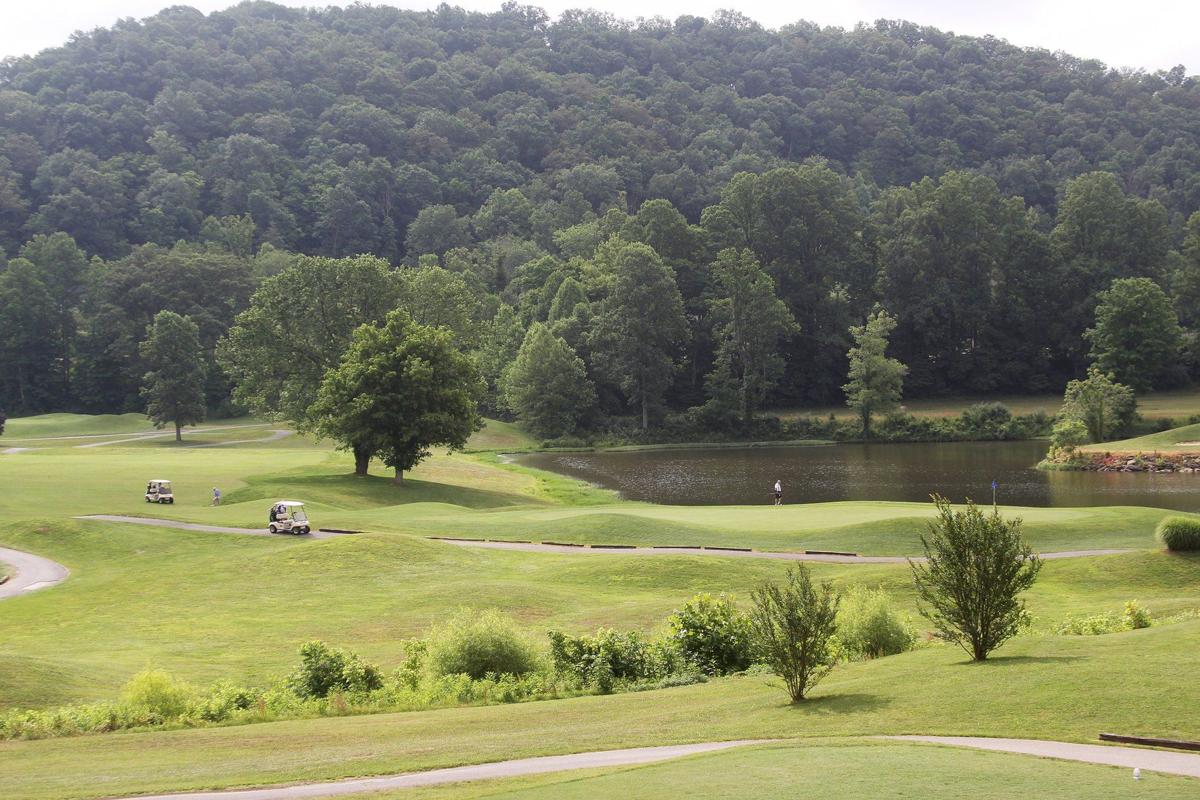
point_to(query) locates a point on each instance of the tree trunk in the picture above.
(178, 432)
(362, 460)
(399, 479)
(645, 413)
(866, 420)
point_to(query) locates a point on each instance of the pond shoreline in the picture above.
(1130, 462)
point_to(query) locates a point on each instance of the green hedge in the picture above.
(1180, 534)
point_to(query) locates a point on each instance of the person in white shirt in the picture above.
(778, 493)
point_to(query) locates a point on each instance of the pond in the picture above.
(746, 475)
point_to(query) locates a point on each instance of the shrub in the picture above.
(793, 626)
(868, 626)
(1136, 617)
(712, 634)
(477, 643)
(625, 656)
(985, 420)
(976, 567)
(157, 693)
(1180, 534)
(324, 670)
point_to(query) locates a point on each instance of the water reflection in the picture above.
(725, 476)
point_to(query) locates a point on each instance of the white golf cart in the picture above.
(159, 491)
(287, 516)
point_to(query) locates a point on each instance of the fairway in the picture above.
(219, 606)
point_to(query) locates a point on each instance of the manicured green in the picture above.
(1185, 439)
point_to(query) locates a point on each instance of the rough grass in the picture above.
(1050, 687)
(1177, 404)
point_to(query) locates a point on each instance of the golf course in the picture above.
(209, 604)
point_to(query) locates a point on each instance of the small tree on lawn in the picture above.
(174, 386)
(976, 566)
(1105, 407)
(400, 390)
(793, 625)
(874, 381)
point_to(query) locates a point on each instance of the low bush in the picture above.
(1134, 617)
(477, 643)
(157, 693)
(1180, 534)
(713, 634)
(324, 670)
(868, 626)
(610, 657)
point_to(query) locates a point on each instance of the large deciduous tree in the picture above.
(1136, 338)
(547, 386)
(969, 586)
(874, 381)
(750, 322)
(297, 328)
(641, 327)
(401, 389)
(173, 388)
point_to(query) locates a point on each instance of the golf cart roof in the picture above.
(159, 480)
(289, 503)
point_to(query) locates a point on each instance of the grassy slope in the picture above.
(1177, 404)
(1046, 687)
(209, 606)
(1176, 440)
(854, 770)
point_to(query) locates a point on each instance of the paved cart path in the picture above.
(1129, 757)
(831, 558)
(32, 573)
(498, 769)
(191, 526)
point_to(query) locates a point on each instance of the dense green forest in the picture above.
(673, 214)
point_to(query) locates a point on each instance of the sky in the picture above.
(1149, 34)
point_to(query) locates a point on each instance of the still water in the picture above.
(735, 476)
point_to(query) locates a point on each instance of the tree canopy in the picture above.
(401, 389)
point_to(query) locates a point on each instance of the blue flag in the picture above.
(993, 486)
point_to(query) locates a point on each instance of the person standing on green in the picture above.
(778, 493)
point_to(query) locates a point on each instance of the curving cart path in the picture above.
(498, 769)
(831, 558)
(32, 573)
(191, 526)
(1129, 757)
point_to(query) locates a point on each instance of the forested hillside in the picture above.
(981, 193)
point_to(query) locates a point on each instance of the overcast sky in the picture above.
(1149, 34)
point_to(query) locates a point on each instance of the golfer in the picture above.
(778, 493)
(216, 501)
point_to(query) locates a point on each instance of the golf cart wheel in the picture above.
(148, 500)
(171, 501)
(273, 529)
